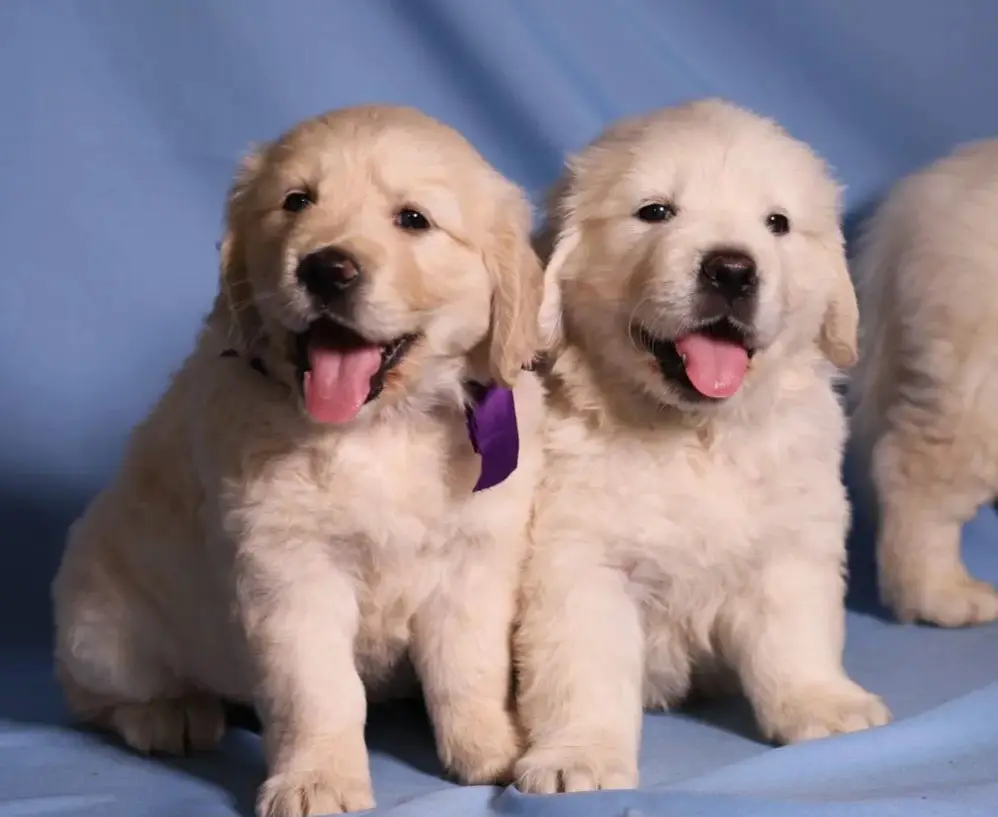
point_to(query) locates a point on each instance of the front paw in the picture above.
(943, 600)
(822, 712)
(480, 749)
(312, 793)
(556, 769)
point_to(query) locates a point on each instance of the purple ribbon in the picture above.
(491, 418)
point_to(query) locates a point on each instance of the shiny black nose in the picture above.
(731, 273)
(328, 274)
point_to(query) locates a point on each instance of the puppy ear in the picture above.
(557, 250)
(517, 282)
(556, 244)
(234, 313)
(839, 337)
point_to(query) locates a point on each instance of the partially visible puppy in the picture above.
(305, 513)
(926, 388)
(692, 519)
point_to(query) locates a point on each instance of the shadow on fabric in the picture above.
(862, 596)
(34, 519)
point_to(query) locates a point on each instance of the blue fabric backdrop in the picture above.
(120, 122)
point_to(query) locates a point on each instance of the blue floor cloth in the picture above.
(120, 125)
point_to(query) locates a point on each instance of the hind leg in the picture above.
(111, 660)
(176, 725)
(928, 487)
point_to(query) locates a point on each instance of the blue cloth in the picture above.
(120, 124)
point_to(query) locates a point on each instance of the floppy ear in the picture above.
(558, 252)
(517, 282)
(556, 244)
(840, 328)
(234, 312)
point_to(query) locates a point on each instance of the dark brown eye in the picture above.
(777, 224)
(656, 212)
(297, 201)
(409, 219)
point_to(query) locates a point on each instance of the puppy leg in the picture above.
(111, 680)
(111, 650)
(461, 651)
(785, 637)
(579, 653)
(926, 493)
(300, 616)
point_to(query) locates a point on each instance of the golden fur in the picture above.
(674, 538)
(926, 388)
(246, 552)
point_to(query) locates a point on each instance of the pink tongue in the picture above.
(715, 367)
(339, 382)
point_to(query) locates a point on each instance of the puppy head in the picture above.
(373, 258)
(687, 245)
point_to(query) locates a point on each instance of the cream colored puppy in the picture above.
(300, 519)
(926, 390)
(691, 519)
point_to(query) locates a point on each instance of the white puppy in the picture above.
(926, 389)
(692, 517)
(300, 517)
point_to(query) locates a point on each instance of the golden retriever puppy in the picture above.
(925, 390)
(305, 518)
(691, 519)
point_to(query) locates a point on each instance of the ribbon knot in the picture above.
(492, 429)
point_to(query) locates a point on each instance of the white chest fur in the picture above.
(688, 518)
(392, 508)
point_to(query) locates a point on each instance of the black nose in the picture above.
(329, 273)
(731, 272)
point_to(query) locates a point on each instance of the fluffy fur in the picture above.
(926, 388)
(246, 552)
(676, 538)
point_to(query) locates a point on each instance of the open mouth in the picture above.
(340, 371)
(710, 362)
